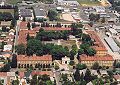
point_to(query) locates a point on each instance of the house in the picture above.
(106, 60)
(27, 61)
(65, 60)
(40, 13)
(103, 73)
(25, 13)
(113, 32)
(7, 47)
(99, 9)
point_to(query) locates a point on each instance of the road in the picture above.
(57, 77)
(16, 36)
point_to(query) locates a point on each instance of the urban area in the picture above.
(59, 42)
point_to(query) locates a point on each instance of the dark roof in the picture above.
(25, 13)
(39, 12)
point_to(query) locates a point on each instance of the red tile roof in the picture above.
(23, 35)
(96, 58)
(99, 46)
(23, 25)
(3, 74)
(34, 58)
(41, 73)
(21, 74)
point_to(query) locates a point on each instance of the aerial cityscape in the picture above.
(59, 42)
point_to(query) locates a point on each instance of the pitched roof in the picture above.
(3, 74)
(96, 58)
(99, 46)
(41, 73)
(23, 35)
(34, 58)
(25, 12)
(23, 25)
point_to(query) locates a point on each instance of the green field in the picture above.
(13, 1)
(89, 2)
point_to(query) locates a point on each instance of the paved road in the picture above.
(16, 36)
(57, 77)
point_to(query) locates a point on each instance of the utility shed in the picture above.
(112, 44)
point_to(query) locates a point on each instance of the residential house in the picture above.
(65, 60)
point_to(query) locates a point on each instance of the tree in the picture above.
(14, 61)
(72, 63)
(80, 51)
(15, 82)
(114, 64)
(24, 19)
(91, 51)
(95, 66)
(52, 14)
(20, 49)
(49, 82)
(103, 20)
(33, 47)
(5, 68)
(13, 22)
(87, 76)
(81, 66)
(77, 75)
(28, 25)
(72, 54)
(64, 77)
(28, 37)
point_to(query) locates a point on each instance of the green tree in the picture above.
(77, 75)
(28, 25)
(49, 82)
(52, 14)
(72, 63)
(20, 49)
(14, 61)
(34, 46)
(91, 51)
(88, 76)
(81, 66)
(95, 66)
(64, 77)
(80, 51)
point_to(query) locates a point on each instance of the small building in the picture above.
(65, 60)
(68, 2)
(99, 9)
(39, 13)
(25, 13)
(7, 48)
(6, 24)
(113, 32)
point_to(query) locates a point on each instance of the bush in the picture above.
(81, 66)
(56, 67)
(72, 63)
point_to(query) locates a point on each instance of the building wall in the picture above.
(101, 63)
(33, 63)
(101, 53)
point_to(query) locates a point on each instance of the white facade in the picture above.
(65, 60)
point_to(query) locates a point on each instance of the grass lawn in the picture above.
(88, 2)
(13, 1)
